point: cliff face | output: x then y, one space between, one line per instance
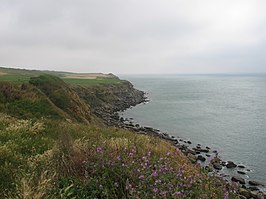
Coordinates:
50 96
106 99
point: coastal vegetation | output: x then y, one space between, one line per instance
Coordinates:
57 159
54 144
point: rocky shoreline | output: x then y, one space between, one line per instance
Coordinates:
208 158
108 102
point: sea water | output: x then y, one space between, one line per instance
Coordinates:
224 112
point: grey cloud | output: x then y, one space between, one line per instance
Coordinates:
135 36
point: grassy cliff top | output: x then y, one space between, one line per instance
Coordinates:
23 75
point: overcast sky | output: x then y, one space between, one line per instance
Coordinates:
134 36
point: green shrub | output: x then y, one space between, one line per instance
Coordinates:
26 108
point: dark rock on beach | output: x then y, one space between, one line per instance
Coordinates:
254 183
238 179
199 149
241 172
243 186
230 165
217 166
201 158
253 188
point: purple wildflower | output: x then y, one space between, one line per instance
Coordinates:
99 150
141 177
154 173
226 195
155 190
177 193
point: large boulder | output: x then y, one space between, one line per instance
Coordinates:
201 158
199 149
241 172
231 164
255 183
217 166
253 188
238 179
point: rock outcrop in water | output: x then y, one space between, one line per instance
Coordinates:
238 179
230 165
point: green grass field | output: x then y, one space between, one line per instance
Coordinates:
77 81
23 76
15 78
